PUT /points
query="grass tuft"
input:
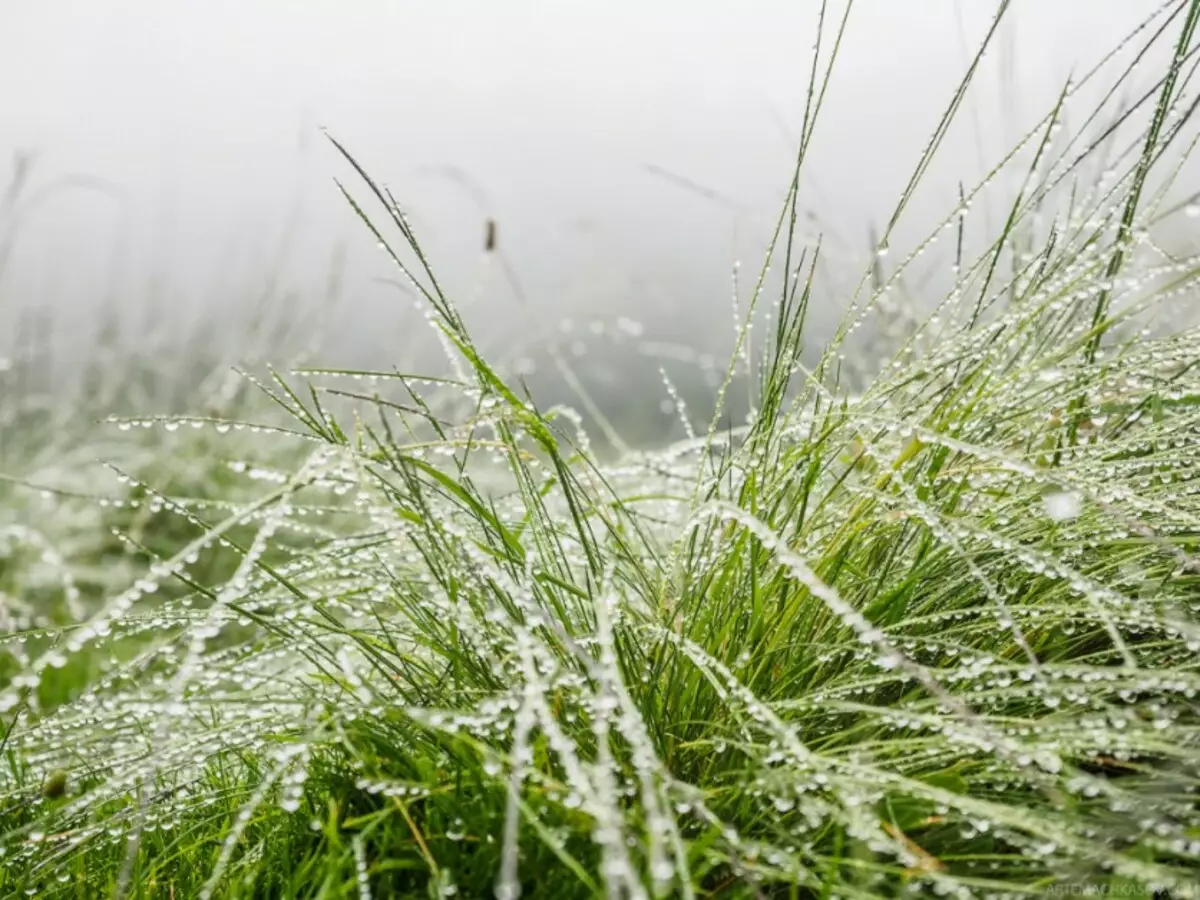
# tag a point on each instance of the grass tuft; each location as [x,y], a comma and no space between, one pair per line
[937,634]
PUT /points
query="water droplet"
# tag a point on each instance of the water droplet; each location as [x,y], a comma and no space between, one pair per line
[1062,506]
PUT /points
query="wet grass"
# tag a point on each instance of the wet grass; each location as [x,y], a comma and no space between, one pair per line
[937,633]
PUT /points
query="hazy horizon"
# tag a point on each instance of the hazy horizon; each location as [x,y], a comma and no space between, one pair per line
[629,153]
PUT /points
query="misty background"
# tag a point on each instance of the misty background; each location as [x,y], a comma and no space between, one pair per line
[174,176]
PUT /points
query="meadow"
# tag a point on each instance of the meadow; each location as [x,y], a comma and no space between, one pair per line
[932,630]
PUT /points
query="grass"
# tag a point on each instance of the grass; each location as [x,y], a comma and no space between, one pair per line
[937,633]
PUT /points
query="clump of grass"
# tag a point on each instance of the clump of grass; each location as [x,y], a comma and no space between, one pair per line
[938,635]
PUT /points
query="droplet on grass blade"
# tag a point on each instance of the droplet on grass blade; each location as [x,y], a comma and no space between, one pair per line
[1062,506]
[56,784]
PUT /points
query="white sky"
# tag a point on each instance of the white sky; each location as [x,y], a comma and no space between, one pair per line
[205,117]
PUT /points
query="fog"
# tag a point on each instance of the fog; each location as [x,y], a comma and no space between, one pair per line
[629,153]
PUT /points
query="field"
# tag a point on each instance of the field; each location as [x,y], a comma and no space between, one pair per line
[935,629]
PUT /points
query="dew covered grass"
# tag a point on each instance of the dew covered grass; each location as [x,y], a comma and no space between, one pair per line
[377,634]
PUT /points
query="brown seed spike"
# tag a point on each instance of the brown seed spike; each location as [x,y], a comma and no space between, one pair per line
[489,240]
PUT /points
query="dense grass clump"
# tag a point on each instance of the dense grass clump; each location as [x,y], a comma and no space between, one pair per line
[936,635]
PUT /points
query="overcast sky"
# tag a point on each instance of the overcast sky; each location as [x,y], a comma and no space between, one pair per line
[558,118]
